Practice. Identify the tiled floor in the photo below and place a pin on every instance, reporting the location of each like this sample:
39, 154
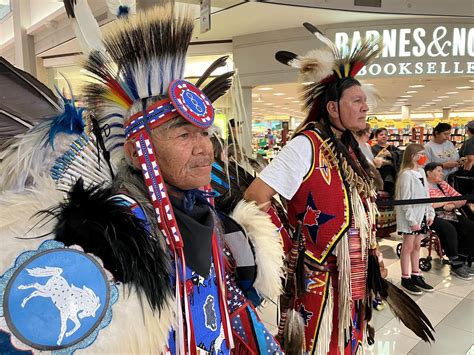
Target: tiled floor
450, 309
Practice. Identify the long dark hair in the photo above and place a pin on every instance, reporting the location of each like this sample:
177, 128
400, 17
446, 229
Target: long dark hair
334, 92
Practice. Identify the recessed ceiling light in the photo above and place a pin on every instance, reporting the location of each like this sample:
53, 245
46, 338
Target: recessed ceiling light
401, 100
468, 100
279, 94
406, 96
268, 103
265, 89
452, 92
289, 98
462, 87
411, 92
443, 97
471, 81
368, 84
296, 102
437, 100
416, 86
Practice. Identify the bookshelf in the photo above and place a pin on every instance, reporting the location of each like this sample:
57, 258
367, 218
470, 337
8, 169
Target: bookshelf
401, 137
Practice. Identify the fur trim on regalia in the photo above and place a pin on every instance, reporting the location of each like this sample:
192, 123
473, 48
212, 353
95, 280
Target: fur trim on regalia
267, 246
19, 227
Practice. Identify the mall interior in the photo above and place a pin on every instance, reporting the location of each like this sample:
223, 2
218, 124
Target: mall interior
423, 77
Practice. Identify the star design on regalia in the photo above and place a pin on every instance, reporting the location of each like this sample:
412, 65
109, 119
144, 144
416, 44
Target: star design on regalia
305, 314
312, 217
325, 167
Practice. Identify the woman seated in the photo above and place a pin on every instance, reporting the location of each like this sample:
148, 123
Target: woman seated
455, 231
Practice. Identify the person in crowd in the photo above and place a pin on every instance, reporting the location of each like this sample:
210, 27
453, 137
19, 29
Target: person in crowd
465, 175
455, 231
270, 138
467, 149
390, 156
171, 274
314, 172
413, 220
362, 138
441, 150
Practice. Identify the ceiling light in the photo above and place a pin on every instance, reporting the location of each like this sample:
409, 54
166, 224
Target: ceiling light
406, 96
401, 100
289, 98
265, 89
268, 103
296, 102
416, 86
462, 87
469, 100
307, 82
411, 92
279, 94
443, 97
452, 92
437, 100
367, 84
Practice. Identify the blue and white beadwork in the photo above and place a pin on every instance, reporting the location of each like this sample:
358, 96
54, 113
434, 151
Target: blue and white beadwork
191, 103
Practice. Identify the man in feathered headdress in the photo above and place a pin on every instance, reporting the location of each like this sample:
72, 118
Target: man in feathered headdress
326, 180
191, 276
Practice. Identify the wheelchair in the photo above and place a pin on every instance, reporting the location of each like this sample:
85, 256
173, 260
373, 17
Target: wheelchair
432, 243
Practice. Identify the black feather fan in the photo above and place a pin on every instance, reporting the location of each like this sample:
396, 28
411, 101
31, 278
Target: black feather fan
101, 226
401, 305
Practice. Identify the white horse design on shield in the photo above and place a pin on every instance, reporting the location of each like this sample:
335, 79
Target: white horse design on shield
72, 302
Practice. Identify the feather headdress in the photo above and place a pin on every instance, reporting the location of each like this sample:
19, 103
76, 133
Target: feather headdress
138, 88
144, 54
320, 68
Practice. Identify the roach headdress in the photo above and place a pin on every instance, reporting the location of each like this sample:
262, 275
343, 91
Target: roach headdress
320, 68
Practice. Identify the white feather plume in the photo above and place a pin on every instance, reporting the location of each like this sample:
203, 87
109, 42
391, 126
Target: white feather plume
30, 155
267, 245
316, 65
373, 96
86, 28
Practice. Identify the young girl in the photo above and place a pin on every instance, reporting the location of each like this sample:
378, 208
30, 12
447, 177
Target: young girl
413, 220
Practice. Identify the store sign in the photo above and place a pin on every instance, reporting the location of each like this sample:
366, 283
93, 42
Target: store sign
409, 51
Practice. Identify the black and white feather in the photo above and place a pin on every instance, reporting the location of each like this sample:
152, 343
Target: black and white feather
100, 225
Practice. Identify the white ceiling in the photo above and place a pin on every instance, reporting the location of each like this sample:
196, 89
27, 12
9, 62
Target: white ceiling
232, 18
454, 93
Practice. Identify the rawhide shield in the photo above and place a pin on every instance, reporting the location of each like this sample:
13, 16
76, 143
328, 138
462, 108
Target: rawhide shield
191, 103
55, 298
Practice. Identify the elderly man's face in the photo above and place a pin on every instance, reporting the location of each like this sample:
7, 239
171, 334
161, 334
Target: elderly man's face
184, 154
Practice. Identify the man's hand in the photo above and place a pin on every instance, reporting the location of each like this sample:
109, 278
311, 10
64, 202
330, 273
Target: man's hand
429, 222
415, 228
